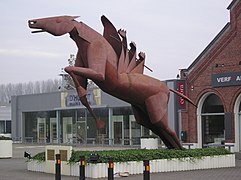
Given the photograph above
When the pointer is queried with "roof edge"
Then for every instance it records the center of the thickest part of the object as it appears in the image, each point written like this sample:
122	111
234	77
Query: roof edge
209	46
231	4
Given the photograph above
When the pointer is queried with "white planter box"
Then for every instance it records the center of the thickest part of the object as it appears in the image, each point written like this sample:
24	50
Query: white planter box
6	150
149	143
100	170
36	166
50	161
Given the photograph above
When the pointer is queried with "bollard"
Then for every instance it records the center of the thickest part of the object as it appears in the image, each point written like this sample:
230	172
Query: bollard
57	167
111	169
82	168
146	172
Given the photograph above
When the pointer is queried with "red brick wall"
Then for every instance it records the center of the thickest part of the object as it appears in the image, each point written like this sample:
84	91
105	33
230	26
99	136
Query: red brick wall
227	51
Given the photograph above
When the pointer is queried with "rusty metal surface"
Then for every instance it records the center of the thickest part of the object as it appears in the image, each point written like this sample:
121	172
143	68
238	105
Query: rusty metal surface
116	69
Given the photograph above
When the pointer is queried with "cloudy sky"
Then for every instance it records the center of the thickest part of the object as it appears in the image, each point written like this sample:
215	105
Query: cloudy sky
172	33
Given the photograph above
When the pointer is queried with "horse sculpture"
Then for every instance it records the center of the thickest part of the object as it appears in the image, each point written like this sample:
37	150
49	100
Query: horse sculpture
108	62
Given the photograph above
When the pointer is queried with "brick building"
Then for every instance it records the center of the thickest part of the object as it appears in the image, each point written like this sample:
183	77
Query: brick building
213	82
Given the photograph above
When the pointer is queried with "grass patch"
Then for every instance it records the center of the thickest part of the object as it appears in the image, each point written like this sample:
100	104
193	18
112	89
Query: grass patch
142	154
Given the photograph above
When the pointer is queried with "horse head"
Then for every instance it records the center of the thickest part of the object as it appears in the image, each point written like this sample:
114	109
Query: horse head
56	26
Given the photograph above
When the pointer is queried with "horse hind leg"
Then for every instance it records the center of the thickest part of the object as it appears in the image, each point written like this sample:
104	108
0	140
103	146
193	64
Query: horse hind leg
156	106
143	119
169	136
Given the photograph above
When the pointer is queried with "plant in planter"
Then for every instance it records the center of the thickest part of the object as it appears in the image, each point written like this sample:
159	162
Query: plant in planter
141	154
131	160
5	147
152	154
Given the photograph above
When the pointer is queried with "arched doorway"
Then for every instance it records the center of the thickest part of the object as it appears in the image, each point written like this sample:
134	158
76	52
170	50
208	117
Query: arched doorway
212	120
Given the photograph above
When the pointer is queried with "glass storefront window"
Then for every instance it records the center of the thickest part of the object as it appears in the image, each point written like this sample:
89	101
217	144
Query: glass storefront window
78	126
125	129
145	131
95	135
8	126
79	131
5	127
135	131
213	127
122	111
37	125
30	121
81	114
2	127
212	104
127	126
67	121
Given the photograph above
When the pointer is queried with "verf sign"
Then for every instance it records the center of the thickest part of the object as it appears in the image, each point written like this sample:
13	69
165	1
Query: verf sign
226	79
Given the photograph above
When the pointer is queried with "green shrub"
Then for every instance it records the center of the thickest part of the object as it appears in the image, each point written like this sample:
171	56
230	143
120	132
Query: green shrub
39	157
142	154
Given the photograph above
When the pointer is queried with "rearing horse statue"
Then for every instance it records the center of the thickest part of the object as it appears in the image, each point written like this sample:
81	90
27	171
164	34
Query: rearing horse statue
108	62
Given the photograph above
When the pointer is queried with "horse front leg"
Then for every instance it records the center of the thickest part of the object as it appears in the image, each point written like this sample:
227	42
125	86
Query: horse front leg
81	84
86	72
96	60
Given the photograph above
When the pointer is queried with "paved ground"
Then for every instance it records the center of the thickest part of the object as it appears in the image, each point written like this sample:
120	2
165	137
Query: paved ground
15	169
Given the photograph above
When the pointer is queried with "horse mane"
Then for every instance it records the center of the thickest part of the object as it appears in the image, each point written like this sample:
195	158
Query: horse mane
111	35
127	61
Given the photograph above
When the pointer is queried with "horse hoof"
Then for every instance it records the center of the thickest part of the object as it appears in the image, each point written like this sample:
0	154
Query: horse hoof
100	124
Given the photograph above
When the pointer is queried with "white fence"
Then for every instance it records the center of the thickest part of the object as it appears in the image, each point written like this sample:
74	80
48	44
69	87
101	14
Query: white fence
100	170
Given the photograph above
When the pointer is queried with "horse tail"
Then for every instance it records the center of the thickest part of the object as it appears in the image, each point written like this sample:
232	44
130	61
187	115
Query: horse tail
184	97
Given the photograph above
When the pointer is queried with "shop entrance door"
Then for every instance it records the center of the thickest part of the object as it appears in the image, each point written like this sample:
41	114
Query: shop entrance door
213	129
118	132
53	131
67	130
41	130
212	121
135	132
81	132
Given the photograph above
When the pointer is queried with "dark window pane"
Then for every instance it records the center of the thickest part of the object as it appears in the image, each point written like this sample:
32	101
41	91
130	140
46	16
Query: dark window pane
8	126
212	104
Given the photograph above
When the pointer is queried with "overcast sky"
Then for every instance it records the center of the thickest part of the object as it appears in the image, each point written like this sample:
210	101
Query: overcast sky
172	33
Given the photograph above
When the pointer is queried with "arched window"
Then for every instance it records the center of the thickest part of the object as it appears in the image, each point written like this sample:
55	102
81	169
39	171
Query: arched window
212	104
212	114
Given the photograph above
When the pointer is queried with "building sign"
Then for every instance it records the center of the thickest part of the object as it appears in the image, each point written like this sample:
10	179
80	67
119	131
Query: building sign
226	79
72	99
181	89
